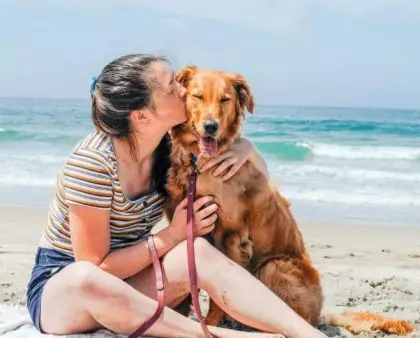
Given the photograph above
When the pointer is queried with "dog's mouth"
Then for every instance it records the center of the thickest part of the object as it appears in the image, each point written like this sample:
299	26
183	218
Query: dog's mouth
208	146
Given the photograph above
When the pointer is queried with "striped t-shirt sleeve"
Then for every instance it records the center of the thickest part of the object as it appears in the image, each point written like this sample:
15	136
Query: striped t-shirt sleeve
87	179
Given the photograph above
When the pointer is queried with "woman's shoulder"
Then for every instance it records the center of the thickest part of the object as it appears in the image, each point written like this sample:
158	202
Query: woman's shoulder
89	173
97	141
95	149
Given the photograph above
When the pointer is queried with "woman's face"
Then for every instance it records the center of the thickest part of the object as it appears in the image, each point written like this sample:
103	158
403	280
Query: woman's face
168	96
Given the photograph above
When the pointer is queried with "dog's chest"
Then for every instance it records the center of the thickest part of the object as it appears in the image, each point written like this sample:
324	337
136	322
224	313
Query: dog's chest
223	191
230	196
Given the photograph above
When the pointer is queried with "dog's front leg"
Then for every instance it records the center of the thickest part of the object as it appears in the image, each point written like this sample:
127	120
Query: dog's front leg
239	246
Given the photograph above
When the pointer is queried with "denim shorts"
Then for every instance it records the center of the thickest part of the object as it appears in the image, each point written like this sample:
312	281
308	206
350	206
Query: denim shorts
47	263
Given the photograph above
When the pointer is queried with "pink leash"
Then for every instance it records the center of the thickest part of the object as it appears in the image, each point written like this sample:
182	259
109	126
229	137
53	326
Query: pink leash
191	254
160	286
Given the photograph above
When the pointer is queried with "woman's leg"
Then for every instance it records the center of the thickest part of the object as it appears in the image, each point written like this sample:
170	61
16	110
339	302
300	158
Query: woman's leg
82	297
236	291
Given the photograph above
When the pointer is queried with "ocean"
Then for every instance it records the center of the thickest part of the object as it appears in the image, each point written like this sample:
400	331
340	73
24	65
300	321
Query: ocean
335	165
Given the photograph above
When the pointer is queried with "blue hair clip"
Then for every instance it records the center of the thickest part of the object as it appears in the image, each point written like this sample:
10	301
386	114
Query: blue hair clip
93	84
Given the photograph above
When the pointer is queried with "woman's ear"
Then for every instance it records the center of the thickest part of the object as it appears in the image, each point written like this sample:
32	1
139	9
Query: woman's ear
245	97
185	75
140	117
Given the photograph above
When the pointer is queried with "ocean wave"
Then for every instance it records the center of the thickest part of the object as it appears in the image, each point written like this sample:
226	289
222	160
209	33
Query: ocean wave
19	158
25	179
301	151
362	152
344	173
353	198
285	150
282	125
14	135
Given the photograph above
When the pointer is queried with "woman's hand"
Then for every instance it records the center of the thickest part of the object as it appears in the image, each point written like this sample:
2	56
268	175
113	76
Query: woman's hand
204	218
240	151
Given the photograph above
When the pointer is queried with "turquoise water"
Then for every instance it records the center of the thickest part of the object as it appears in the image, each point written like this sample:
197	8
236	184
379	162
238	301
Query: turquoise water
333	164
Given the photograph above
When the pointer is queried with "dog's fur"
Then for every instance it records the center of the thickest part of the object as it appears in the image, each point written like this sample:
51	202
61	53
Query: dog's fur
255	227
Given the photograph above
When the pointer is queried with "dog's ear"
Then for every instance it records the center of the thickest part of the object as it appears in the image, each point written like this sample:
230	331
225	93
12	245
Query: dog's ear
245	97
185	75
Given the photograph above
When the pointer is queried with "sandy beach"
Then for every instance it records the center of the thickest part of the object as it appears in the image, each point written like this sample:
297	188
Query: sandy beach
363	267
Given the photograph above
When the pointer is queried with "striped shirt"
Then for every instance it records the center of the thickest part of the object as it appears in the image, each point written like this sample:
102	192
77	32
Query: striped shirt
90	178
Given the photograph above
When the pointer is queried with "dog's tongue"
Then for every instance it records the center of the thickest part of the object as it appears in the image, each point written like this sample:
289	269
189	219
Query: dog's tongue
208	146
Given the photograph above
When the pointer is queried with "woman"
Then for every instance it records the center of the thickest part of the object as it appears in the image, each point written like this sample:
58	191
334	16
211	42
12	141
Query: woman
93	267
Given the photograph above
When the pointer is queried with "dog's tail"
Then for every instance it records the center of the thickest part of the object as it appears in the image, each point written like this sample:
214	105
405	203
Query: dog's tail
358	322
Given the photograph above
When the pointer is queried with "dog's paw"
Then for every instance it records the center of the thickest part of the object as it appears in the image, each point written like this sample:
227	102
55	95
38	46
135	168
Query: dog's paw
239	250
246	251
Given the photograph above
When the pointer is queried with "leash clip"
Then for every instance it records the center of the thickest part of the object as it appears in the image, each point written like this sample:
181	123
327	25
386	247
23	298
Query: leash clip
193	160
193	163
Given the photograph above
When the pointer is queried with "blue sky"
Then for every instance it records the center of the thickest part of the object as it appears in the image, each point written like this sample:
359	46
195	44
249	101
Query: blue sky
319	52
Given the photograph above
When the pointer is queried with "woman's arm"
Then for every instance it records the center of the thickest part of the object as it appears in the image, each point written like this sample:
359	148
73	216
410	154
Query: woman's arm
128	261
89	228
90	235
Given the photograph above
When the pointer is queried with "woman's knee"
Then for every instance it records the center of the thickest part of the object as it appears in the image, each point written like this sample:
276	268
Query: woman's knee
203	250
85	276
92	284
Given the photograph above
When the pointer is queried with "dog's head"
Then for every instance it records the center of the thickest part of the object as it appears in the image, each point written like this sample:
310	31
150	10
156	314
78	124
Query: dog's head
216	104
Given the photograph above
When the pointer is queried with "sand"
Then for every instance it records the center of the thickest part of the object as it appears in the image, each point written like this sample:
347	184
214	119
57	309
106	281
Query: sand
363	267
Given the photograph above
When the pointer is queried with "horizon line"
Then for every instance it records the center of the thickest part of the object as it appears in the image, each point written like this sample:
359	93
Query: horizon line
285	105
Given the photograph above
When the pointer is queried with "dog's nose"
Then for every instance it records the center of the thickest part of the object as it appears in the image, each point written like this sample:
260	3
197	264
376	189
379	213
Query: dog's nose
210	126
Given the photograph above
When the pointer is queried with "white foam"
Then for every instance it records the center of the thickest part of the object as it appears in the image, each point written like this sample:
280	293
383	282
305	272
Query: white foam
25	179
352	197
43	158
362	152
23	169
346	173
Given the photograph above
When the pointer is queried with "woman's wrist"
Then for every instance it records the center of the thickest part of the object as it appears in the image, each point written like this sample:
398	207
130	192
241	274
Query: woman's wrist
174	238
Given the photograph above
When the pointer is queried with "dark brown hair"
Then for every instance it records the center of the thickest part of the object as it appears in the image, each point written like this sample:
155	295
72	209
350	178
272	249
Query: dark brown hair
125	85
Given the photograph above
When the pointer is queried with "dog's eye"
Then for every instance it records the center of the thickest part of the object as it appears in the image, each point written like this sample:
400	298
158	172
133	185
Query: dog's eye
197	96
224	99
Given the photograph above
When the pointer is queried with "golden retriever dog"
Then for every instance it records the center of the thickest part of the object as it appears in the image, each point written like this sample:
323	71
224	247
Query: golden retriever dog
255	227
